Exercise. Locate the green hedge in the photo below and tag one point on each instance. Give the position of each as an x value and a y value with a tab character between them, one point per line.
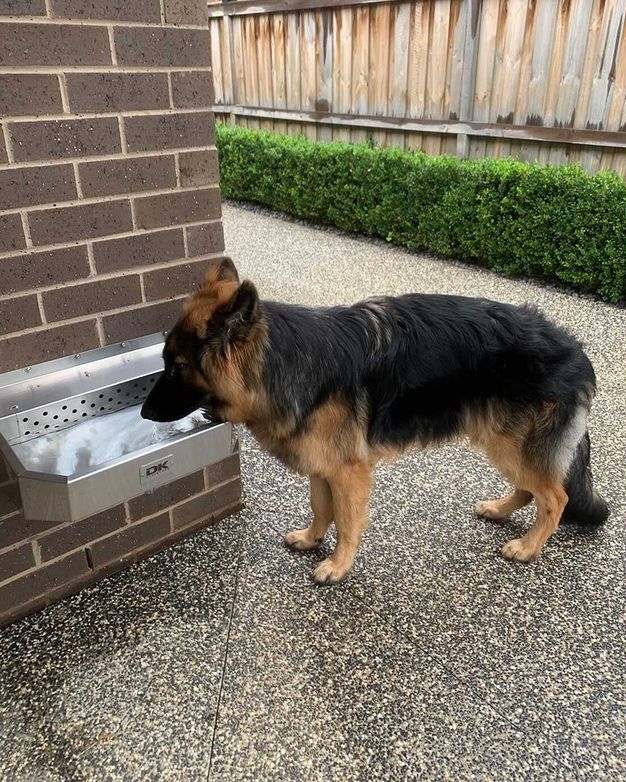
557	224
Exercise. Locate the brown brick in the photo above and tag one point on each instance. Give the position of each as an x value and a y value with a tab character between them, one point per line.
36	185
176	208
174	280
16	560
16	529
141	250
16	352
206	504
192	89
130	175
72	536
117	91
11	236
141	321
125	544
223	471
18	314
169	131
114	10
199	168
43	580
10	501
53	44
205	239
92	297
61	138
165	496
29	93
186	12
24	7
71	223
151	46
36	270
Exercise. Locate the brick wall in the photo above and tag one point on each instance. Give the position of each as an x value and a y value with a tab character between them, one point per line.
109	205
109	215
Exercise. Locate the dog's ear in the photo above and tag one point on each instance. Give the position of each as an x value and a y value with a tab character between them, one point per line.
241	312
224	271
227	271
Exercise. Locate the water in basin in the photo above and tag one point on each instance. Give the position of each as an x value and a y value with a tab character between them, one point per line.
99	440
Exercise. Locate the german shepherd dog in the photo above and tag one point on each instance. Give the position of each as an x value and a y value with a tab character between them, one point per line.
332	391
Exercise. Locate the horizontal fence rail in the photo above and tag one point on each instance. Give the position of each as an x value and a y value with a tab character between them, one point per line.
535	79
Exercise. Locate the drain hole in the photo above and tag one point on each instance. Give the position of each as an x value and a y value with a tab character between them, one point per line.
26	432
64	407
36	423
65	420
74	411
55	417
24	420
84	415
47	426
93	404
100	396
45	412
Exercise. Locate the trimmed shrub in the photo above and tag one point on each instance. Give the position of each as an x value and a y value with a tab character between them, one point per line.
556	224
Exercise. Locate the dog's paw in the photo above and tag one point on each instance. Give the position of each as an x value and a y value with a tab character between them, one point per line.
519	551
301	539
489	510
327	573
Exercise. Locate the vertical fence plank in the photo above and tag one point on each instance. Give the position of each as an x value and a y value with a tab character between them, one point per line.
360	65
308	66
576	46
398	68
277	50
216	59
324	38
484	70
437	65
342	68
264	60
293	69
418	60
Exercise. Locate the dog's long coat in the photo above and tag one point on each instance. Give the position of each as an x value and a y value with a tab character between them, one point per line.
331	391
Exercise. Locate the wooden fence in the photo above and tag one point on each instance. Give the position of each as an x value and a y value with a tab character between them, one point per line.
536	79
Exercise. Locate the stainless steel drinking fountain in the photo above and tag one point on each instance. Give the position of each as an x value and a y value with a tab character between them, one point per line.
40	401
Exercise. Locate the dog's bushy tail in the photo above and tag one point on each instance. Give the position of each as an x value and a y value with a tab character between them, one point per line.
585	506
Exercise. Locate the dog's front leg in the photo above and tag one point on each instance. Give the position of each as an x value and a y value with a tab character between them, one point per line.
322	505
350	485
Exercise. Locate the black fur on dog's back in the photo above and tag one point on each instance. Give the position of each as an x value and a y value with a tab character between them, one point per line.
415	367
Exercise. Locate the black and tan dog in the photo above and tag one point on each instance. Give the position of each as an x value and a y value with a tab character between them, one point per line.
330	392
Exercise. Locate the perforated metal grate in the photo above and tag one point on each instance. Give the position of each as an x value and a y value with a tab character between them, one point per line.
68	412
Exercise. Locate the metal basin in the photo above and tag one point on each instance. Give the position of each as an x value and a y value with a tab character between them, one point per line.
72	432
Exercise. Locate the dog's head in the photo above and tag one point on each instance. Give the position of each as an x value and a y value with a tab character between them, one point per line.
210	353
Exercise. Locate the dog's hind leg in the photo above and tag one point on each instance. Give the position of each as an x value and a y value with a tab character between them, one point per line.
503	508
322	505
350	486
551	500
521	465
